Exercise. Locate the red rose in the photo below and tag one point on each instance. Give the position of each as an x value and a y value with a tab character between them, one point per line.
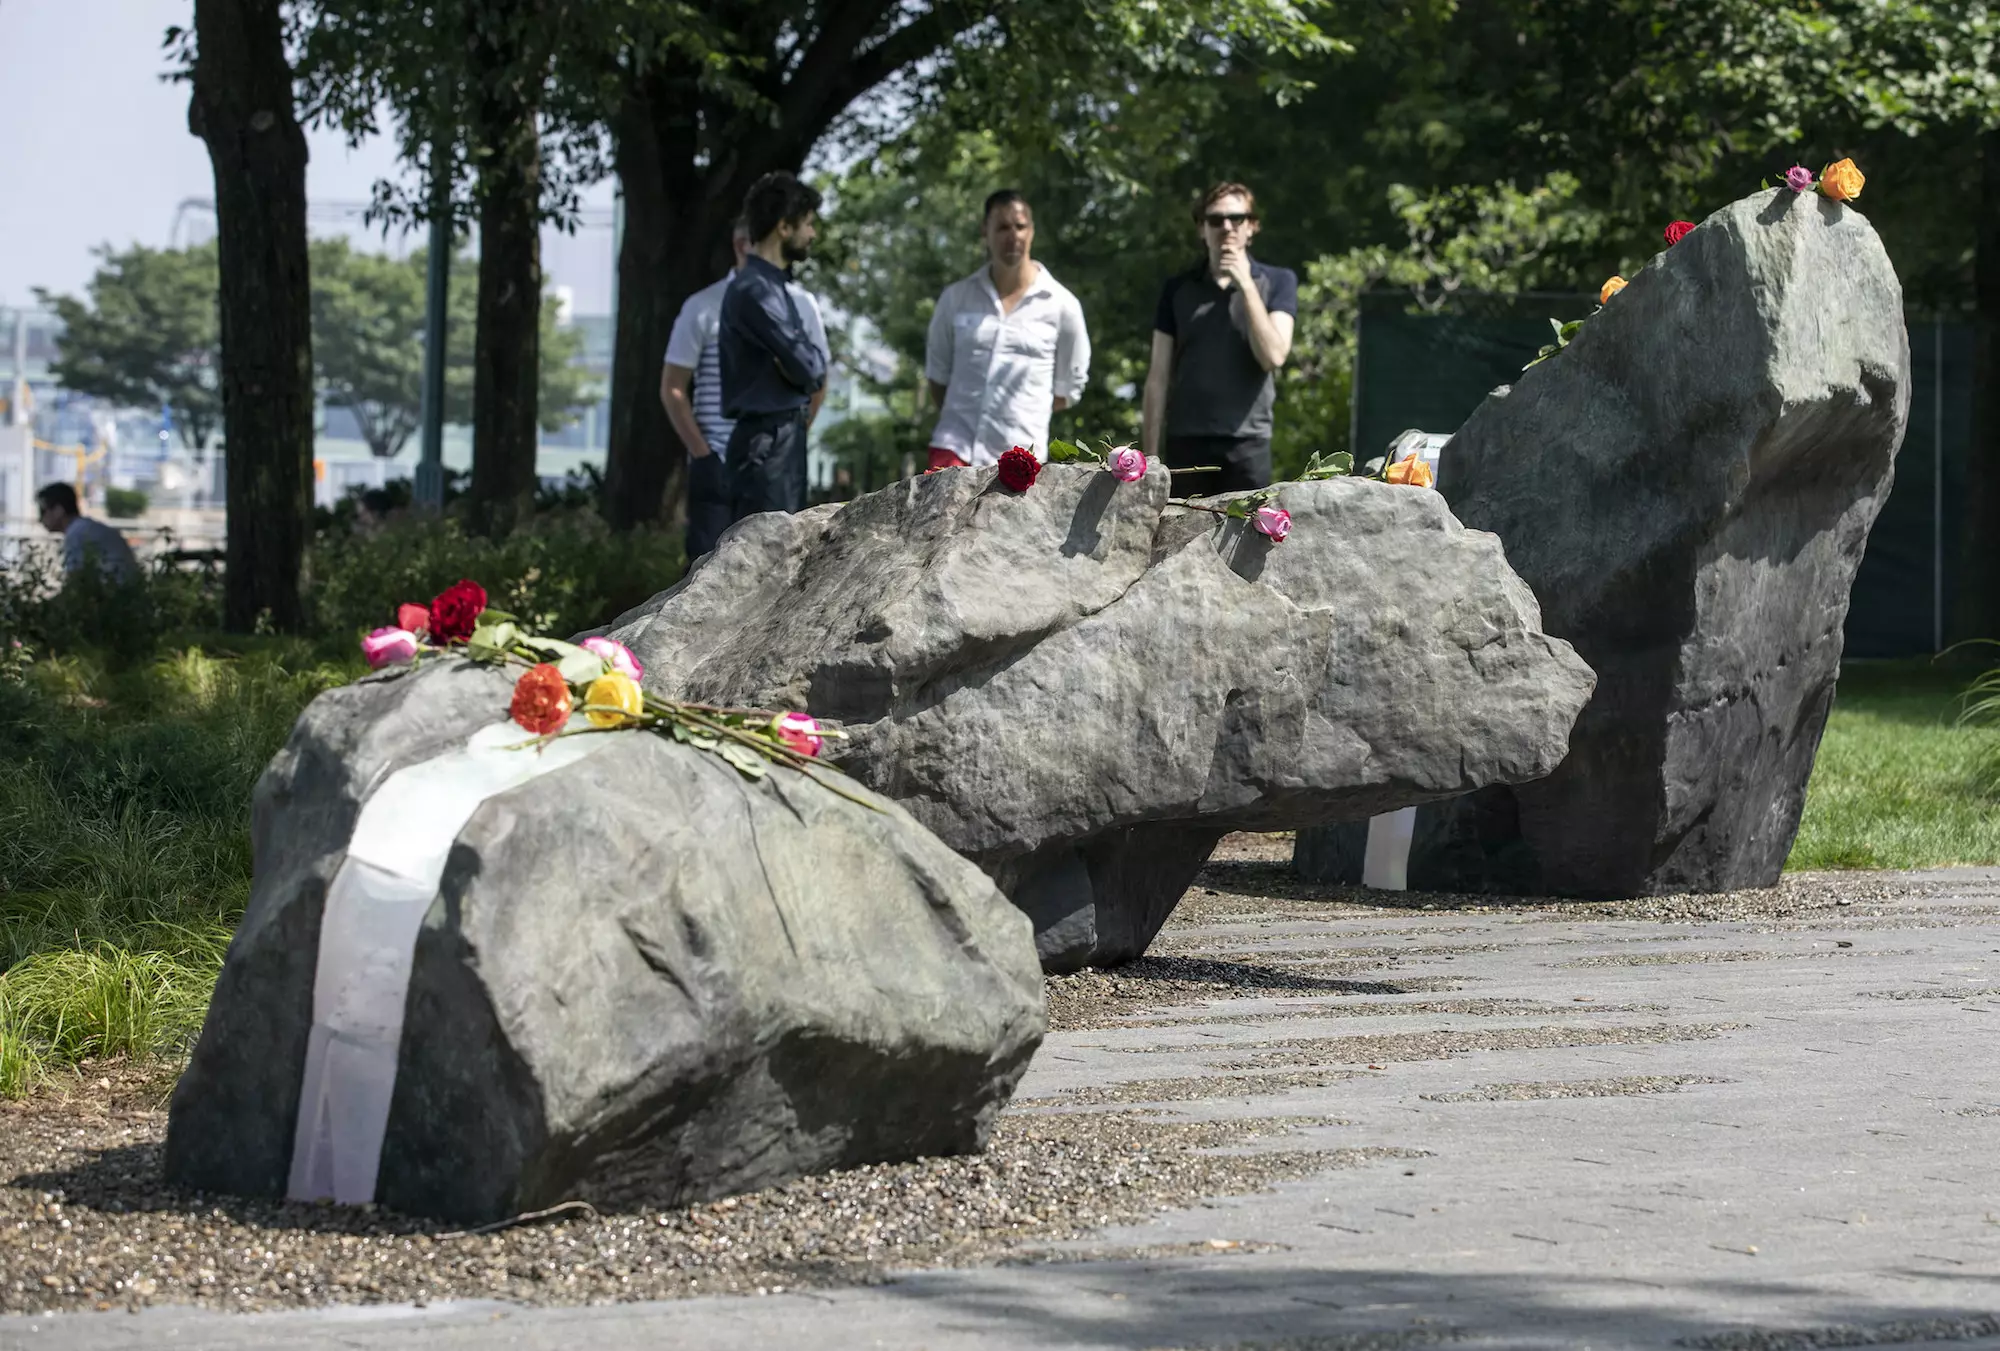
541	700
413	618
1678	231
1018	469
456	610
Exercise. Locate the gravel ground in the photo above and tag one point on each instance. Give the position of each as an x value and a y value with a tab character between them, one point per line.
85	1221
1093	999
1473	1008
1633	1085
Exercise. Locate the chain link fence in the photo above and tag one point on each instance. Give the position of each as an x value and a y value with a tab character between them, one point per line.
1430	370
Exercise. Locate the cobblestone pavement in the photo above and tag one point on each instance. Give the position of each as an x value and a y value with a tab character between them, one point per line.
1312	1122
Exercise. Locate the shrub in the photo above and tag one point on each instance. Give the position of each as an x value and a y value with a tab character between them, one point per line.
562	571
124	503
125	620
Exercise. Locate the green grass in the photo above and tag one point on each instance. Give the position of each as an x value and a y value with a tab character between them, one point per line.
1900	782
124	844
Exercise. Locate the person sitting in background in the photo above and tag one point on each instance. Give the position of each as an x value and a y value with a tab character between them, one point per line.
86	543
1006	348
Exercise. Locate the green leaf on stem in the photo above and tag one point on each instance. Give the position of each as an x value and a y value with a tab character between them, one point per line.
747	762
1066	452
489	642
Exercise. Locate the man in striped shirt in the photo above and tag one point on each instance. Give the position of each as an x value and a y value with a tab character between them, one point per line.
691	389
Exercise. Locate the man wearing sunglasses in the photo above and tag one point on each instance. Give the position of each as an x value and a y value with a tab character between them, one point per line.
1222	328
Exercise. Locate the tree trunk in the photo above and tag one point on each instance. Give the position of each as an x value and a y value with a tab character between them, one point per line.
678	218
506	345
242	108
1979	608
643	452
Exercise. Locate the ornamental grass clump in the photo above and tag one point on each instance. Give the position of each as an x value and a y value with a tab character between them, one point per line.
125	843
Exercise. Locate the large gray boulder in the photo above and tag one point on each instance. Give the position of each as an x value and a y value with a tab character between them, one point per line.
1081	688
642	976
1688	488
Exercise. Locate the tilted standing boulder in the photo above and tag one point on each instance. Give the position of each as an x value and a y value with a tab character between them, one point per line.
1081	688
638	976
1688	488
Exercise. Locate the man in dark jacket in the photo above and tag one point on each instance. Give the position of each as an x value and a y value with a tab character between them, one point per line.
770	365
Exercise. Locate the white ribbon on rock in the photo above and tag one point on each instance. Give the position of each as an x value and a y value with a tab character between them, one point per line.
367	942
1385	863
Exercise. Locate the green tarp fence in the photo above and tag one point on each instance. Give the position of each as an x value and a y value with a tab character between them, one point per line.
1430	370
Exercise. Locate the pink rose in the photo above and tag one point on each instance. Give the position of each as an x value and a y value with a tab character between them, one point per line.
1126	463
616	655
1798	178
1273	521
800	731
388	647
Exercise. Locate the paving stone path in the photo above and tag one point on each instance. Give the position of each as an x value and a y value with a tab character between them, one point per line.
1769	1121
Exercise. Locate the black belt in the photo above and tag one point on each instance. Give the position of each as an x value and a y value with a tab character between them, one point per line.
779	415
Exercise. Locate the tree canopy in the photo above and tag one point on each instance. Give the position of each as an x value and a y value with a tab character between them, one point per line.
146	334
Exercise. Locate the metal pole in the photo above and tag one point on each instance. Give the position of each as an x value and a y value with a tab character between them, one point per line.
1354	396
1937	484
429	492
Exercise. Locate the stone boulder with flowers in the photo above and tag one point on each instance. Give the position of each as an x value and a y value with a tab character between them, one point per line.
1688	486
1082	687
520	934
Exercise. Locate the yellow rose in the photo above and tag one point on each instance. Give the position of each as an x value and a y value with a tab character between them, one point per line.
1842	181
1611	288
613	700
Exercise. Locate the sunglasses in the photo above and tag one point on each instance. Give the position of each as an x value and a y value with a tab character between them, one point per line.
1218	220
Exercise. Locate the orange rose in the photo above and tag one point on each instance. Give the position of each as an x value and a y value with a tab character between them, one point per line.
541	700
1611	288
1414	472
1842	181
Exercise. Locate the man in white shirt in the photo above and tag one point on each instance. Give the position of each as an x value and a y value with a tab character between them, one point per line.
1007	348
691	389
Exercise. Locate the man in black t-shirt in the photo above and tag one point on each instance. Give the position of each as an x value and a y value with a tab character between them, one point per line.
1222	328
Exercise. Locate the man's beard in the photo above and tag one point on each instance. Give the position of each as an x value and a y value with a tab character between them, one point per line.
797	253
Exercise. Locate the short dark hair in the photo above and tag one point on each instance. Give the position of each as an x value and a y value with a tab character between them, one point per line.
1005	197
777	199
58	495
1220	191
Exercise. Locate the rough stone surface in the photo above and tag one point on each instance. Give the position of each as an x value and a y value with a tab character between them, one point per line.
644	977
1081	688
1688	489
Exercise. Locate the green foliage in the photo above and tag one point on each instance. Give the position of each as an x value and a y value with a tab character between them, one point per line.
124	842
560	571
1498	238
148	335
123	619
124	504
368	344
